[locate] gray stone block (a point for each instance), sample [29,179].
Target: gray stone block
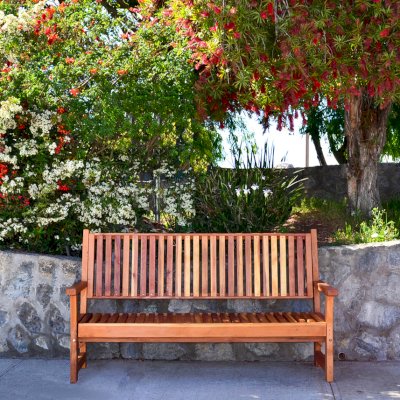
[103,351]
[131,350]
[42,342]
[163,351]
[378,315]
[46,266]
[44,293]
[54,321]
[263,350]
[371,347]
[180,306]
[394,344]
[18,339]
[3,317]
[29,317]
[20,282]
[214,352]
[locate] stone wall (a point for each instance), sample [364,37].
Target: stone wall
[330,182]
[34,310]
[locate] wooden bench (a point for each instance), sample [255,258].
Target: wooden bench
[201,266]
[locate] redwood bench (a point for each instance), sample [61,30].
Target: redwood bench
[201,266]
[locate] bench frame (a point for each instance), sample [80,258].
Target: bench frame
[320,331]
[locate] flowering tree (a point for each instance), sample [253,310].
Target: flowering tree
[277,57]
[88,101]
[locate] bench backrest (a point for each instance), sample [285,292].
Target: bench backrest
[165,265]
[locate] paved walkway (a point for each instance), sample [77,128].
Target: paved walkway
[178,380]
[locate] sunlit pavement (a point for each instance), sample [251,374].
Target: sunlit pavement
[156,380]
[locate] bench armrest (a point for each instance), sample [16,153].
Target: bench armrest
[76,289]
[327,290]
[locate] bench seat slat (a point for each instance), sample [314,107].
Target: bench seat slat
[243,317]
[181,331]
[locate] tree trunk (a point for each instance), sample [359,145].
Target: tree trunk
[341,153]
[318,148]
[365,130]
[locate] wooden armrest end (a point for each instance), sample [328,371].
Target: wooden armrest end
[75,289]
[326,289]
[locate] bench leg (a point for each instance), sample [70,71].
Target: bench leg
[82,351]
[74,340]
[74,361]
[329,355]
[329,338]
[317,352]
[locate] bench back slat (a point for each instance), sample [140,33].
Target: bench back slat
[199,265]
[291,263]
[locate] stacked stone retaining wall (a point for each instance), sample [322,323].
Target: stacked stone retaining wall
[34,310]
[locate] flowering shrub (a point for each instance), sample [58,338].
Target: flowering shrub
[88,102]
[244,200]
[46,198]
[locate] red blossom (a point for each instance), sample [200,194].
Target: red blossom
[61,110]
[270,9]
[52,38]
[264,14]
[214,28]
[230,26]
[216,9]
[62,7]
[167,13]
[62,187]
[59,146]
[61,129]
[122,72]
[384,33]
[70,60]
[3,170]
[74,92]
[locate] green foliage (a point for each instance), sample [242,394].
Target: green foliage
[252,197]
[250,200]
[330,209]
[383,225]
[377,229]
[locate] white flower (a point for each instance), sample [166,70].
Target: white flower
[8,109]
[238,191]
[41,123]
[267,192]
[246,190]
[254,186]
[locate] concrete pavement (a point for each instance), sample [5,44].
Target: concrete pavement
[186,380]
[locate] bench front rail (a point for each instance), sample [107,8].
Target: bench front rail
[201,266]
